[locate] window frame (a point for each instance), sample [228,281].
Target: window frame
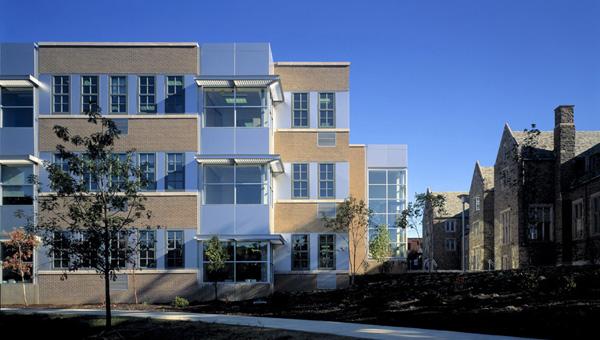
[294,180]
[293,251]
[540,238]
[31,107]
[68,94]
[447,243]
[322,181]
[293,110]
[235,184]
[320,111]
[167,172]
[578,233]
[139,164]
[505,222]
[170,249]
[167,95]
[477,203]
[235,107]
[332,251]
[82,95]
[147,249]
[125,95]
[320,140]
[139,94]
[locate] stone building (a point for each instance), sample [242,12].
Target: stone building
[442,233]
[481,218]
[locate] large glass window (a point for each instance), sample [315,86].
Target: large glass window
[327,110]
[17,107]
[300,110]
[387,199]
[327,180]
[175,179]
[300,180]
[118,94]
[240,107]
[147,94]
[240,184]
[15,184]
[327,251]
[147,248]
[89,94]
[60,93]
[247,262]
[175,251]
[540,222]
[175,101]
[300,252]
[147,163]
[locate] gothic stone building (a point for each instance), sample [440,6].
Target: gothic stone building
[481,217]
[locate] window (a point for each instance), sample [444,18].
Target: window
[147,250]
[175,179]
[505,220]
[60,253]
[89,94]
[239,107]
[300,110]
[300,252]
[540,223]
[326,210]
[118,94]
[17,107]
[175,249]
[60,93]
[327,180]
[595,221]
[387,197]
[147,164]
[477,203]
[450,244]
[15,184]
[247,262]
[13,276]
[578,219]
[327,110]
[327,252]
[300,180]
[120,170]
[119,246]
[175,101]
[450,226]
[239,184]
[147,94]
[326,139]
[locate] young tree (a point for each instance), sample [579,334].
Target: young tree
[216,255]
[379,246]
[352,218]
[88,217]
[22,245]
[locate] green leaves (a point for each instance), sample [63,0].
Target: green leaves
[216,254]
[379,246]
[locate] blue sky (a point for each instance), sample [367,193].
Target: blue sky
[440,76]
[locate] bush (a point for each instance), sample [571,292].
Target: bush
[180,302]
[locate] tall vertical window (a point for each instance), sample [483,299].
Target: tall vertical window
[505,220]
[119,249]
[578,219]
[118,94]
[300,252]
[327,251]
[595,205]
[387,199]
[147,164]
[120,170]
[327,180]
[450,244]
[15,185]
[147,250]
[60,93]
[477,203]
[17,107]
[300,180]
[300,110]
[327,110]
[175,257]
[240,184]
[450,226]
[147,94]
[540,222]
[239,107]
[175,101]
[62,163]
[175,179]
[89,93]
[60,254]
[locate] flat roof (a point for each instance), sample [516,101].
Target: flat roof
[133,44]
[312,63]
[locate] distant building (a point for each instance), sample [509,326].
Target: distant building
[481,218]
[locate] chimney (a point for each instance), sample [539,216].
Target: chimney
[564,133]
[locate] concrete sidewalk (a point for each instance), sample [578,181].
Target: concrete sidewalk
[324,327]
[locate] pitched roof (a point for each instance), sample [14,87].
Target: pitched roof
[487,172]
[453,202]
[584,140]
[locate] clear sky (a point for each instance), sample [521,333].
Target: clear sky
[440,76]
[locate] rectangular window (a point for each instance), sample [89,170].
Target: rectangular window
[119,170]
[175,179]
[300,180]
[540,222]
[60,93]
[175,101]
[89,94]
[595,205]
[246,262]
[450,226]
[118,94]
[326,139]
[300,252]
[578,219]
[60,252]
[327,110]
[17,107]
[505,220]
[327,180]
[147,164]
[243,107]
[327,252]
[477,203]
[175,257]
[119,246]
[147,94]
[15,184]
[450,244]
[300,110]
[240,184]
[147,250]
[326,210]
[62,163]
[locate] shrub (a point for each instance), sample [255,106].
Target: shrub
[180,302]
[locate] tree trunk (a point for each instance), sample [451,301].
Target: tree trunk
[23,284]
[107,299]
[135,296]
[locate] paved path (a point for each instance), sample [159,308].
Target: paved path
[324,327]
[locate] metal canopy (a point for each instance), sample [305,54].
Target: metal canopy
[20,160]
[272,82]
[272,238]
[274,161]
[19,81]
